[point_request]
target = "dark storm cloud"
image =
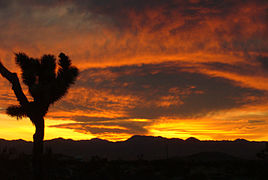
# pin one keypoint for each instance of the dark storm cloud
(189, 93)
(157, 90)
(134, 13)
(105, 29)
(121, 10)
(170, 90)
(227, 23)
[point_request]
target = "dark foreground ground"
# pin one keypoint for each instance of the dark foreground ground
(206, 166)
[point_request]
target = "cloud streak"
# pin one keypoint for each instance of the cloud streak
(150, 92)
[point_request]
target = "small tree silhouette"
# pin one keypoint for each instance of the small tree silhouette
(46, 85)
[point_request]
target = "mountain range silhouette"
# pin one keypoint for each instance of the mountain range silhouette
(144, 147)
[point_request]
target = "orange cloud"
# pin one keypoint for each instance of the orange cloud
(182, 60)
(116, 33)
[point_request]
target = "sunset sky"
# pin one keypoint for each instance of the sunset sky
(171, 68)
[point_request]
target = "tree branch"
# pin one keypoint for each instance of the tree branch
(14, 80)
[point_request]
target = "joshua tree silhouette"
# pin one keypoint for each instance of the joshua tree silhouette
(46, 85)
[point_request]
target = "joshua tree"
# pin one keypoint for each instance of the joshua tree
(46, 85)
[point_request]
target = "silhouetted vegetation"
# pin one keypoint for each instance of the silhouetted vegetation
(46, 86)
(56, 166)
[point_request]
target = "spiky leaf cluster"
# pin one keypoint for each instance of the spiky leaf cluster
(16, 111)
(45, 84)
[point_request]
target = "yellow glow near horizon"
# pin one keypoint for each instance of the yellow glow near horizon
(11, 129)
(53, 132)
(229, 125)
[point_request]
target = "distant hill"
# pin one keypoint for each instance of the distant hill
(144, 147)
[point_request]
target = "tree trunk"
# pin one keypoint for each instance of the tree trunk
(38, 141)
